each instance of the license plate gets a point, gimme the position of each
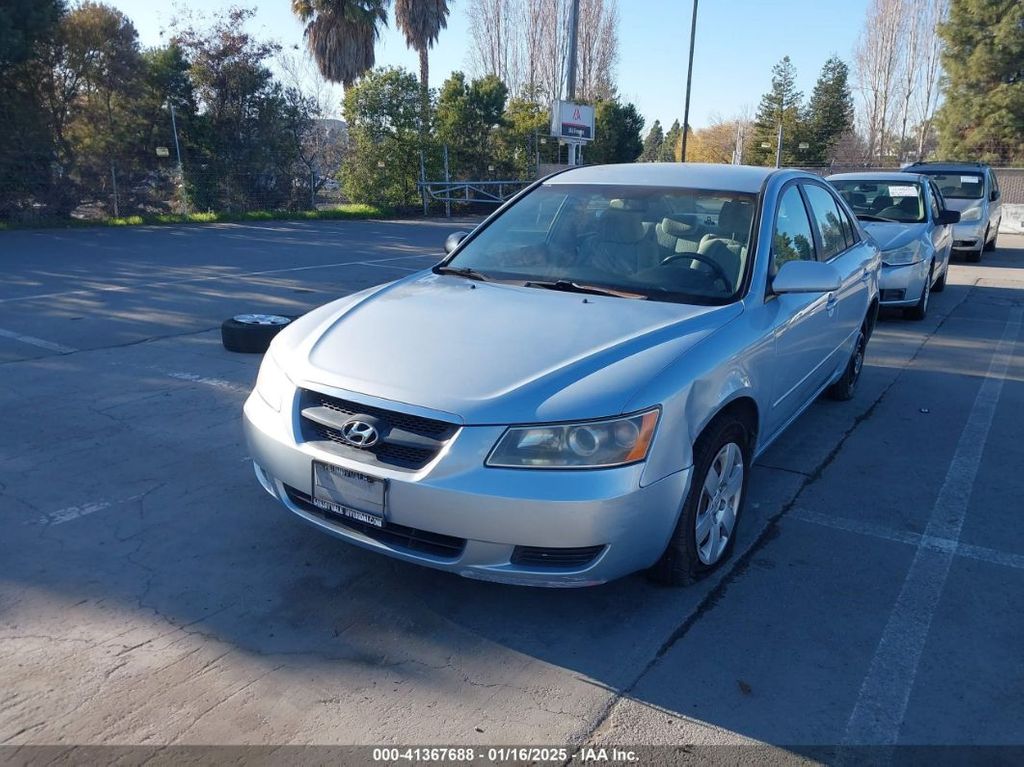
(349, 493)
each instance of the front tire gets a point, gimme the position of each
(846, 386)
(251, 333)
(940, 284)
(920, 311)
(705, 534)
(990, 245)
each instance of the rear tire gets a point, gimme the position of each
(251, 333)
(844, 389)
(920, 311)
(687, 559)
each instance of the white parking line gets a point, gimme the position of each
(60, 516)
(37, 342)
(882, 702)
(981, 553)
(217, 383)
(211, 277)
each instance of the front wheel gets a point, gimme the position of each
(990, 245)
(920, 310)
(846, 386)
(706, 532)
(940, 284)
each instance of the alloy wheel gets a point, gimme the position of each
(719, 503)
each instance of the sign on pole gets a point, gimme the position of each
(162, 151)
(571, 121)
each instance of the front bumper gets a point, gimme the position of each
(492, 510)
(902, 285)
(969, 236)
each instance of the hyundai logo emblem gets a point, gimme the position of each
(359, 433)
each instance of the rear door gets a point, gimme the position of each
(839, 244)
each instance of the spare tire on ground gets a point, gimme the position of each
(251, 333)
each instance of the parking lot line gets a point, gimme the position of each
(881, 704)
(60, 516)
(980, 553)
(37, 342)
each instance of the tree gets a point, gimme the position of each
(617, 133)
(672, 147)
(780, 104)
(382, 110)
(983, 112)
(422, 21)
(716, 143)
(26, 28)
(926, 91)
(829, 113)
(651, 149)
(877, 63)
(469, 121)
(342, 34)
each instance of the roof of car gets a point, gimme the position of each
(738, 178)
(926, 167)
(877, 176)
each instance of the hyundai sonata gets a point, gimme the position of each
(578, 390)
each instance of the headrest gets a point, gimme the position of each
(734, 218)
(910, 205)
(676, 228)
(628, 204)
(622, 226)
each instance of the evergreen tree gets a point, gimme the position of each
(617, 130)
(673, 144)
(982, 117)
(829, 113)
(652, 144)
(781, 102)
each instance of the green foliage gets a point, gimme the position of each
(982, 117)
(383, 117)
(651, 150)
(671, 147)
(469, 120)
(617, 133)
(829, 114)
(781, 102)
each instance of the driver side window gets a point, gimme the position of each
(792, 239)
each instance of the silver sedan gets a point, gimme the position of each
(907, 216)
(579, 389)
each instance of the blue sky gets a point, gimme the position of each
(738, 41)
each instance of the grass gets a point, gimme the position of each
(341, 212)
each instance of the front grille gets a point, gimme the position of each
(965, 243)
(397, 536)
(892, 295)
(406, 441)
(565, 559)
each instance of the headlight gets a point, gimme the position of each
(971, 214)
(271, 382)
(909, 254)
(610, 442)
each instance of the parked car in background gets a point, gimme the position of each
(580, 388)
(907, 217)
(972, 189)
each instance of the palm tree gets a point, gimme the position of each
(342, 33)
(422, 22)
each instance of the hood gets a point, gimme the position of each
(890, 236)
(961, 204)
(488, 353)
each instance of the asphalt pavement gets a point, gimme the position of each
(152, 593)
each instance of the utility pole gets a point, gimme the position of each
(574, 17)
(689, 78)
(177, 152)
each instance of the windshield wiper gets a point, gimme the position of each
(462, 271)
(569, 286)
(869, 217)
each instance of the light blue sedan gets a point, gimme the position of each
(907, 216)
(579, 389)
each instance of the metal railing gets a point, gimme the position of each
(470, 192)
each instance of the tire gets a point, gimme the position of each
(940, 284)
(973, 256)
(920, 311)
(990, 245)
(251, 333)
(844, 389)
(686, 559)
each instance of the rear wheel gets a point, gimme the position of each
(706, 531)
(845, 387)
(251, 333)
(920, 311)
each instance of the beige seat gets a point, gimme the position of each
(620, 246)
(728, 246)
(676, 237)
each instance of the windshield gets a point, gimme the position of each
(898, 201)
(960, 186)
(668, 244)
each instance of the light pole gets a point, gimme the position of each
(570, 75)
(689, 77)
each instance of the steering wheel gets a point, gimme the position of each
(719, 272)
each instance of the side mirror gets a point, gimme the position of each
(807, 277)
(452, 241)
(995, 195)
(948, 217)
